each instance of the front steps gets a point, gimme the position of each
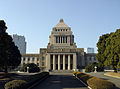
(62, 71)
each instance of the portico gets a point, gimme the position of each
(60, 61)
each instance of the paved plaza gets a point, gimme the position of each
(61, 81)
(116, 81)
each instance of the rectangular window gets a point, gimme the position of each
(37, 59)
(42, 58)
(33, 59)
(28, 59)
(42, 63)
(61, 39)
(23, 58)
(66, 39)
(56, 39)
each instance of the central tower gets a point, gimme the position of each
(61, 37)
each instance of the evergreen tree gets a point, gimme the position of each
(9, 53)
(101, 49)
(109, 50)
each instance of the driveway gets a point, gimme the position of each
(61, 81)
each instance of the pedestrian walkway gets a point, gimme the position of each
(61, 81)
(116, 81)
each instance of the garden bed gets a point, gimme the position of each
(112, 74)
(25, 82)
(94, 82)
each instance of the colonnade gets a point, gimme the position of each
(61, 39)
(62, 61)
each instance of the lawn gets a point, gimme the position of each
(113, 74)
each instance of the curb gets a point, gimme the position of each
(83, 82)
(35, 84)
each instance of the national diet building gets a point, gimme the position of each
(61, 52)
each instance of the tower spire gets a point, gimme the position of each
(61, 20)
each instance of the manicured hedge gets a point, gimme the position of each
(97, 83)
(94, 82)
(15, 84)
(30, 80)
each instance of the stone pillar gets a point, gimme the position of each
(62, 39)
(63, 62)
(48, 64)
(58, 62)
(68, 62)
(22, 61)
(26, 60)
(74, 61)
(54, 65)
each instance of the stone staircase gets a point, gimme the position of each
(62, 71)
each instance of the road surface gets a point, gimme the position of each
(61, 81)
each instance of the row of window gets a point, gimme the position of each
(36, 64)
(29, 59)
(92, 58)
(61, 39)
(60, 29)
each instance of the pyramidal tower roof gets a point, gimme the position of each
(61, 24)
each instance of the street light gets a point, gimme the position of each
(27, 69)
(95, 69)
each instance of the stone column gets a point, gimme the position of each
(22, 61)
(54, 65)
(62, 39)
(68, 62)
(74, 61)
(26, 60)
(58, 62)
(63, 62)
(48, 64)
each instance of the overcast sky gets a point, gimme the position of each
(35, 19)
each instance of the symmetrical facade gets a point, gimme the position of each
(20, 43)
(62, 52)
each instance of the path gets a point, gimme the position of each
(61, 81)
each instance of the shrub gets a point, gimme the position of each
(93, 82)
(15, 84)
(97, 83)
(29, 80)
(83, 77)
(90, 67)
(32, 68)
(75, 72)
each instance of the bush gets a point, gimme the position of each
(75, 72)
(32, 68)
(93, 82)
(15, 84)
(83, 77)
(90, 67)
(29, 80)
(97, 83)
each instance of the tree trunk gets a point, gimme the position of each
(115, 69)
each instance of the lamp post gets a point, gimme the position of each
(27, 69)
(95, 69)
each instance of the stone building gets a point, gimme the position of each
(61, 52)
